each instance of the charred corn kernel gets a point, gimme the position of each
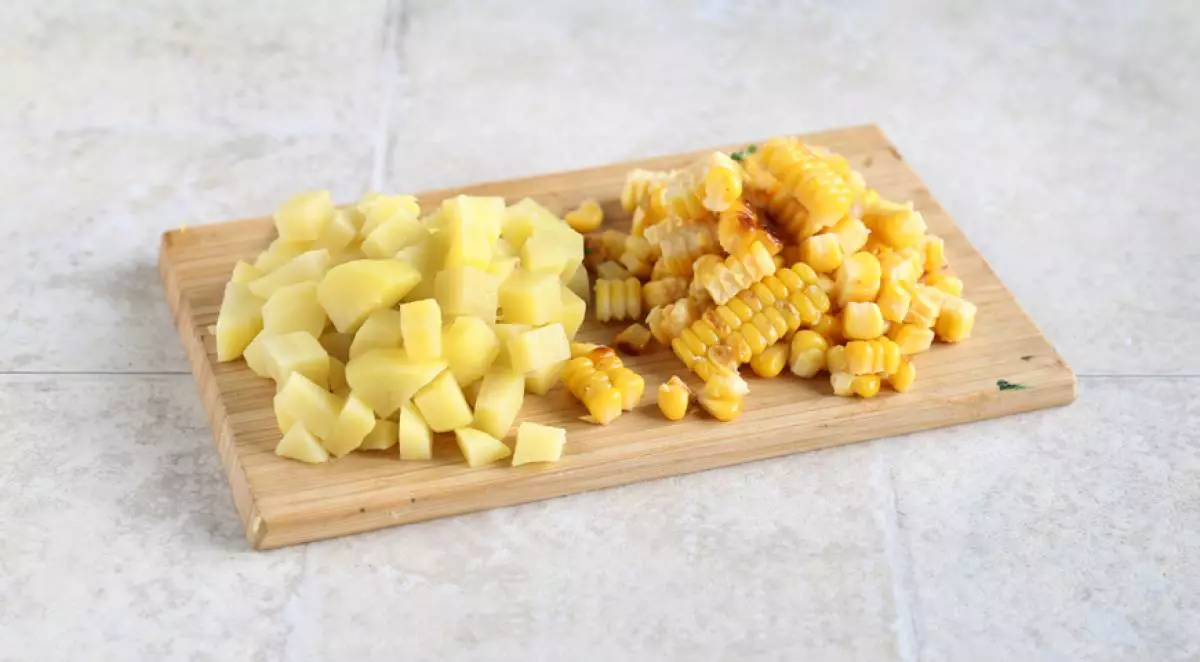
(771, 361)
(835, 359)
(663, 292)
(583, 348)
(681, 239)
(894, 299)
(633, 340)
(862, 321)
(899, 228)
(851, 234)
(629, 384)
(722, 409)
(901, 266)
(902, 379)
(673, 398)
(956, 319)
(951, 285)
(763, 190)
(911, 339)
(603, 247)
(810, 179)
(587, 217)
(933, 248)
(925, 307)
(618, 300)
(858, 278)
(739, 228)
(822, 252)
(808, 350)
(667, 322)
(724, 279)
(845, 384)
(830, 327)
(612, 270)
(593, 388)
(722, 182)
(879, 356)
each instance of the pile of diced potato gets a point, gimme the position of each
(381, 326)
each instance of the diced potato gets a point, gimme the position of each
(542, 253)
(520, 221)
(442, 404)
(503, 266)
(416, 439)
(279, 253)
(499, 400)
(337, 376)
(381, 330)
(299, 444)
(471, 392)
(354, 422)
(243, 272)
(477, 214)
(305, 267)
(294, 308)
(538, 443)
(467, 291)
(568, 245)
(530, 298)
(303, 216)
(377, 208)
(348, 254)
(480, 448)
(580, 284)
(381, 437)
(574, 310)
(539, 382)
(305, 402)
(400, 231)
(503, 249)
(239, 320)
(506, 333)
(535, 349)
(426, 256)
(387, 378)
(296, 352)
(471, 346)
(340, 232)
(256, 358)
(352, 291)
(337, 344)
(421, 329)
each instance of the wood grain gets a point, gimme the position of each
(282, 502)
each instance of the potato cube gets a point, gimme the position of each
(294, 308)
(279, 253)
(337, 344)
(256, 358)
(471, 392)
(352, 291)
(503, 266)
(521, 220)
(580, 284)
(337, 376)
(387, 378)
(421, 329)
(296, 352)
(539, 382)
(239, 320)
(307, 403)
(468, 291)
(503, 249)
(538, 443)
(480, 448)
(381, 437)
(427, 256)
(303, 268)
(377, 209)
(476, 214)
(530, 298)
(471, 346)
(556, 250)
(381, 330)
(499, 400)
(416, 439)
(341, 232)
(354, 422)
(303, 216)
(244, 272)
(299, 444)
(505, 333)
(574, 310)
(535, 349)
(442, 404)
(400, 231)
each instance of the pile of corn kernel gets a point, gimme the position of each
(777, 256)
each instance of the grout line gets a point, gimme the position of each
(898, 557)
(392, 68)
(301, 617)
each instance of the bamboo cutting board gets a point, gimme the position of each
(283, 502)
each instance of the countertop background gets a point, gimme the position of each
(1061, 135)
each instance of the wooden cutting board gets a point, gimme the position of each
(283, 502)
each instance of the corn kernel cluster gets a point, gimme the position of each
(597, 378)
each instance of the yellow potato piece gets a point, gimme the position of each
(538, 443)
(467, 291)
(352, 291)
(538, 348)
(416, 439)
(480, 448)
(296, 352)
(294, 308)
(238, 322)
(381, 437)
(303, 268)
(387, 378)
(470, 345)
(574, 310)
(443, 405)
(303, 216)
(530, 298)
(354, 422)
(304, 402)
(381, 330)
(299, 444)
(421, 329)
(499, 400)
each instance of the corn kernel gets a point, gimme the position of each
(865, 357)
(633, 340)
(862, 321)
(852, 234)
(951, 285)
(664, 291)
(822, 252)
(900, 229)
(925, 307)
(612, 270)
(808, 349)
(722, 409)
(673, 398)
(894, 299)
(629, 384)
(618, 299)
(858, 279)
(835, 359)
(911, 338)
(933, 248)
(830, 327)
(845, 384)
(902, 379)
(771, 361)
(587, 217)
(956, 319)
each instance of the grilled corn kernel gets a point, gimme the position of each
(858, 278)
(723, 279)
(956, 319)
(771, 361)
(587, 217)
(722, 182)
(902, 379)
(633, 340)
(822, 252)
(638, 257)
(722, 409)
(911, 339)
(739, 227)
(862, 321)
(894, 299)
(808, 350)
(933, 248)
(879, 356)
(925, 307)
(898, 229)
(629, 384)
(951, 285)
(664, 291)
(618, 299)
(667, 322)
(671, 267)
(851, 234)
(612, 270)
(583, 348)
(865, 386)
(830, 327)
(593, 388)
(673, 398)
(810, 179)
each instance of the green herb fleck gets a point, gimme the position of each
(738, 156)
(1005, 385)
